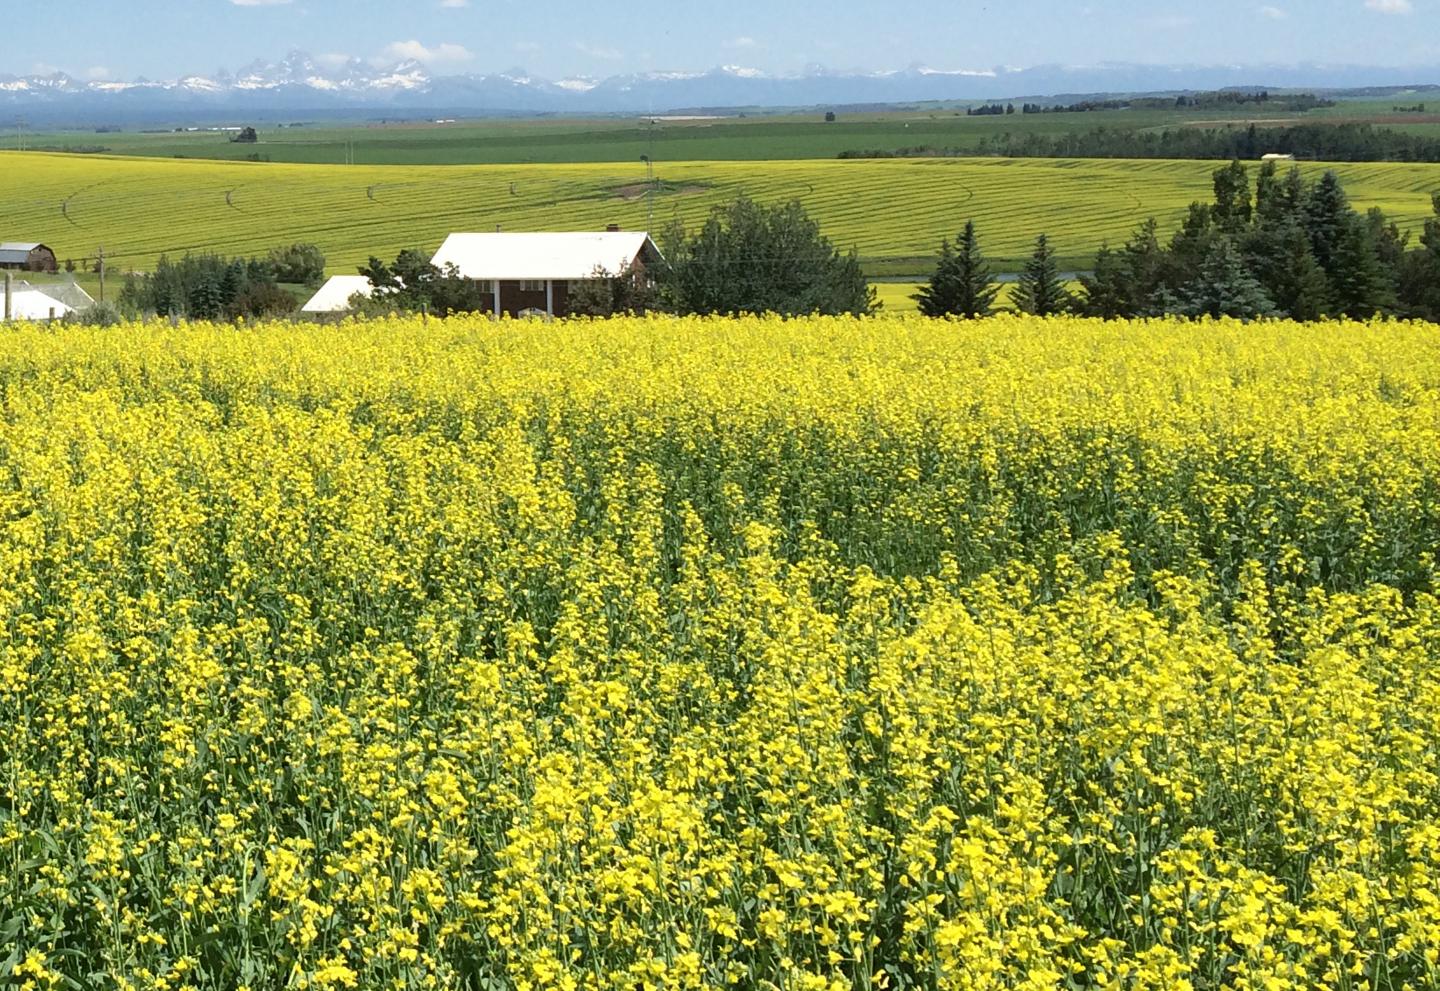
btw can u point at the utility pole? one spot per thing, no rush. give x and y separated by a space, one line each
650 193
101 256
9 291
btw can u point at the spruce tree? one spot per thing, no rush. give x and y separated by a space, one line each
1040 291
1360 283
1224 287
1328 219
1232 210
962 285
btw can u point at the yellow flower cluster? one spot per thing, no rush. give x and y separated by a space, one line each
816 654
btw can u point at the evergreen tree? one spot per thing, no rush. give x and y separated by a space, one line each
962 285
1298 284
1106 290
1360 285
1419 279
1270 203
1232 209
1040 291
1224 287
1128 283
1328 220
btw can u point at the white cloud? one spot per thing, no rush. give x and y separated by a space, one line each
454 4
744 41
598 51
1390 6
444 52
97 73
1274 13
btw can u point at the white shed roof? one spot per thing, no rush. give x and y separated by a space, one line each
334 295
512 257
32 304
20 246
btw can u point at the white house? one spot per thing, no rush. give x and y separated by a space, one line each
535 272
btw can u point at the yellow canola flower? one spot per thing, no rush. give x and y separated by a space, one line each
754 653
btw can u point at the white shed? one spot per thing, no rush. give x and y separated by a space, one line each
334 296
32 304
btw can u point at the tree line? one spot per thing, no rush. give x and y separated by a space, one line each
1280 247
1320 142
1219 100
214 287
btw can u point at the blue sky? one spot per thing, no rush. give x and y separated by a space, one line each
555 38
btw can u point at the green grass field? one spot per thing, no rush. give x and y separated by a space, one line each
894 213
616 139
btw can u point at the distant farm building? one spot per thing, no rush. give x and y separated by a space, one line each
335 295
1277 157
535 273
27 256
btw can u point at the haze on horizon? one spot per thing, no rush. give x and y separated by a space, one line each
160 39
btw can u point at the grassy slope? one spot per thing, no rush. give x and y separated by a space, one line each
887 210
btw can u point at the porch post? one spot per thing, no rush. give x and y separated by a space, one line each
549 297
495 294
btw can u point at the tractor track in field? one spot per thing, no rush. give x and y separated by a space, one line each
65 203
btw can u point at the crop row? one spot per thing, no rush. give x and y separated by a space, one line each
138 209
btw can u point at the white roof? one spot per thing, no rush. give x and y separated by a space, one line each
32 304
334 295
20 245
512 257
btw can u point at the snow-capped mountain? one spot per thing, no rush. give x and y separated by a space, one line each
299 82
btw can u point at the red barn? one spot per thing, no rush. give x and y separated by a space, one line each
27 257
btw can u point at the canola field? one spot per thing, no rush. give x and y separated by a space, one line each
893 213
823 654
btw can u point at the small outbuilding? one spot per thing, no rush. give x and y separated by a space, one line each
534 273
32 304
335 295
27 256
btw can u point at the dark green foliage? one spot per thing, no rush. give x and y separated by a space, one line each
413 285
1223 287
1041 292
206 287
1360 284
1128 282
1294 249
750 258
299 264
1233 207
1328 219
961 285
605 295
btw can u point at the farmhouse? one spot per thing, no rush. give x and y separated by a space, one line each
27 256
534 273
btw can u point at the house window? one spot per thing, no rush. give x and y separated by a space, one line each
532 285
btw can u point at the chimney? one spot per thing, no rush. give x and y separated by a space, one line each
612 229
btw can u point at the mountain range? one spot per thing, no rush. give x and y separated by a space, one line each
300 83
